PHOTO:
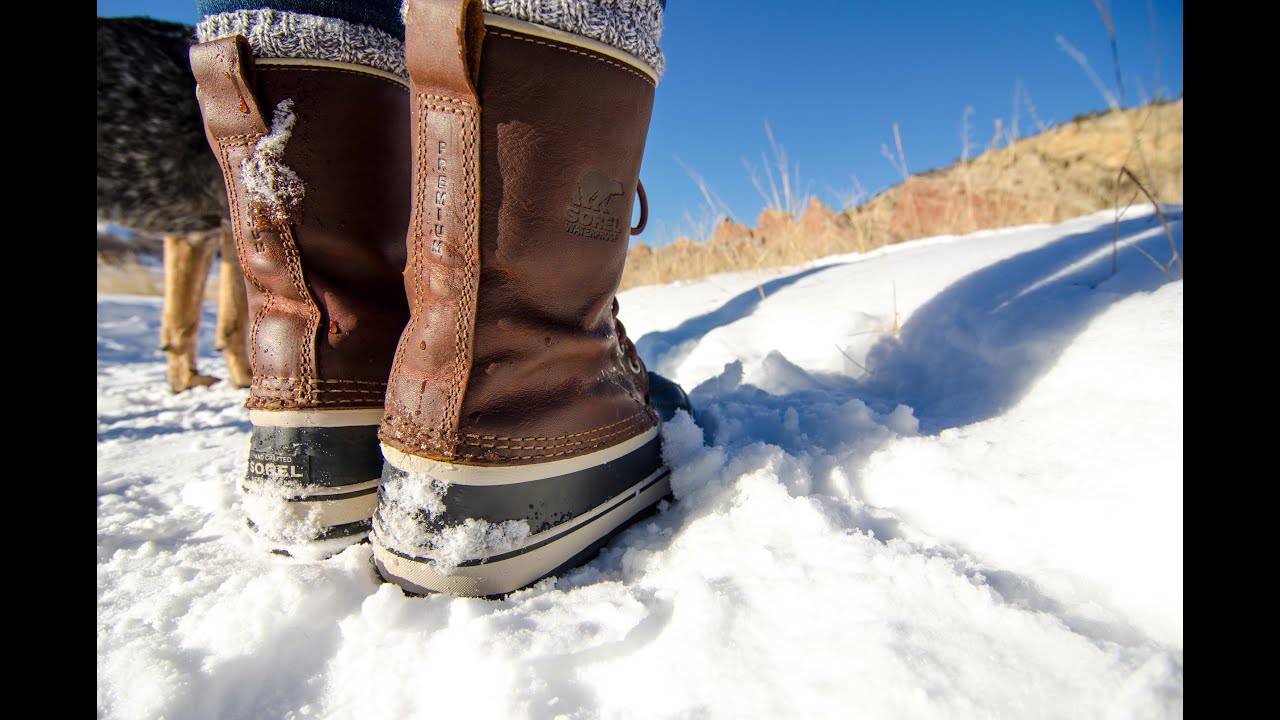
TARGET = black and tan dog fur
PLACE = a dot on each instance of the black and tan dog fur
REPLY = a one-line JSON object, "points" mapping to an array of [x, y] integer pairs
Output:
{"points": [[157, 177]]}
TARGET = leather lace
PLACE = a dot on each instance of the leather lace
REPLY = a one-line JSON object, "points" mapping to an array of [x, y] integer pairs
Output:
{"points": [[624, 343], [644, 209]]}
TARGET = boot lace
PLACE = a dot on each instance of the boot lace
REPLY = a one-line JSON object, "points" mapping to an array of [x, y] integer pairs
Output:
{"points": [[625, 346]]}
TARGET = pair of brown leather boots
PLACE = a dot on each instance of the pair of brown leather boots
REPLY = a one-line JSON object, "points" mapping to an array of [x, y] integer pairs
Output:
{"points": [[431, 269]]}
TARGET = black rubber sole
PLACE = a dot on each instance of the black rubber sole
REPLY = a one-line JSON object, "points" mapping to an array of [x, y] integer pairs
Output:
{"points": [[488, 531], [576, 561], [308, 488]]}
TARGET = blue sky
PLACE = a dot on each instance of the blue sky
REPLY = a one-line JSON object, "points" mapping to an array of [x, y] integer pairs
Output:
{"points": [[832, 78]]}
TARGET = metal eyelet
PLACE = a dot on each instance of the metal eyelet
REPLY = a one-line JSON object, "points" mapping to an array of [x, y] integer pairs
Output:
{"points": [[635, 364]]}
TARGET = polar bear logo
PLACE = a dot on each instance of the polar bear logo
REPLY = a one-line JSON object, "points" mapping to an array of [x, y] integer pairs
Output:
{"points": [[589, 215], [595, 190]]}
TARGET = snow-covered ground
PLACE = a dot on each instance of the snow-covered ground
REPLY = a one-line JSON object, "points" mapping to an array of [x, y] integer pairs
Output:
{"points": [[972, 510]]}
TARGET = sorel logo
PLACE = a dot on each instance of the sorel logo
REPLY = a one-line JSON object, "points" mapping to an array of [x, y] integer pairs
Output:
{"points": [[590, 215], [272, 466], [273, 470]]}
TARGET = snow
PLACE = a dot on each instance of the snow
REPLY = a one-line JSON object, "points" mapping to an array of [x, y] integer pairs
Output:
{"points": [[273, 187], [407, 505], [267, 506], [978, 515]]}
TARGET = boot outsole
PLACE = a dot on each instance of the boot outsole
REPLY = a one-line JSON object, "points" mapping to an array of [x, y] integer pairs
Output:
{"points": [[312, 479], [487, 531], [548, 553], [333, 541]]}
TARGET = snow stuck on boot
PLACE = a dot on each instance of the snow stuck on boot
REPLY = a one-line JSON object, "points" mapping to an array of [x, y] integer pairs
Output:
{"points": [[275, 518], [404, 518], [275, 190]]}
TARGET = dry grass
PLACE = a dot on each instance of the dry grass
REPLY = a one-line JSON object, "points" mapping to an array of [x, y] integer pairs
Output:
{"points": [[1061, 173], [123, 273], [777, 240]]}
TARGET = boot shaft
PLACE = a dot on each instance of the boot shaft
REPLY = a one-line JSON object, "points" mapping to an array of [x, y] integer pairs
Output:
{"points": [[316, 162], [527, 152]]}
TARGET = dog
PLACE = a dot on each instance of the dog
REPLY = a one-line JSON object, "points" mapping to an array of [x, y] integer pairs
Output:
{"points": [[157, 177]]}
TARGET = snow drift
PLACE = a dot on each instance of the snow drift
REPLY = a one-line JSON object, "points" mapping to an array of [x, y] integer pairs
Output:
{"points": [[943, 479]]}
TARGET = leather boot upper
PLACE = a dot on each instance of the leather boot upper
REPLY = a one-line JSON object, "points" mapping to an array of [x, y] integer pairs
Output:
{"points": [[324, 270], [526, 163]]}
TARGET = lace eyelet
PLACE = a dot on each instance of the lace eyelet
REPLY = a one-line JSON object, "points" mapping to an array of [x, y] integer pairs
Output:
{"points": [[635, 364]]}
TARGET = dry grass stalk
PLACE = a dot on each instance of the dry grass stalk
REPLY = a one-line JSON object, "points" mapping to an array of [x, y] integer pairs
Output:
{"points": [[1175, 258]]}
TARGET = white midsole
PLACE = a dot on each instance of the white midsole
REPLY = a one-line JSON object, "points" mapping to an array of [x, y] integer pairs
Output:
{"points": [[329, 513], [321, 549], [480, 475], [307, 492], [496, 577], [316, 418]]}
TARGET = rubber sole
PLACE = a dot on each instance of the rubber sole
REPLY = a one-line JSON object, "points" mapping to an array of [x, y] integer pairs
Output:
{"points": [[333, 542], [312, 479], [542, 555], [489, 531], [326, 509]]}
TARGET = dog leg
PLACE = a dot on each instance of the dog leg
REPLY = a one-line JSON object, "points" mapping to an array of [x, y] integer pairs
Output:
{"points": [[233, 310], [186, 267]]}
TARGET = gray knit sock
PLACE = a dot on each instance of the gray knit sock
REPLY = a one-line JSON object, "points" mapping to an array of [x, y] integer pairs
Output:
{"points": [[278, 34], [633, 26]]}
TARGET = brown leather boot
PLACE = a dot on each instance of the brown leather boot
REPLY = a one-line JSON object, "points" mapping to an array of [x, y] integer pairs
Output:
{"points": [[519, 434], [316, 161]]}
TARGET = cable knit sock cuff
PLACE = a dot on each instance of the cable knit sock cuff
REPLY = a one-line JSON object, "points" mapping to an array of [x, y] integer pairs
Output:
{"points": [[634, 26], [280, 34]]}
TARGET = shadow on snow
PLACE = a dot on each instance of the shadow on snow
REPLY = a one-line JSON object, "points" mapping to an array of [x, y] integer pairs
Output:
{"points": [[967, 355]]}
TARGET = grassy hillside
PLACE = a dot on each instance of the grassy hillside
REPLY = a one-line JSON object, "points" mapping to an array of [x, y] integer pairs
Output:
{"points": [[1066, 171]]}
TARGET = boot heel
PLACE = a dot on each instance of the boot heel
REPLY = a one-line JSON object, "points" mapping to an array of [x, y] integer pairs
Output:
{"points": [[312, 479]]}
